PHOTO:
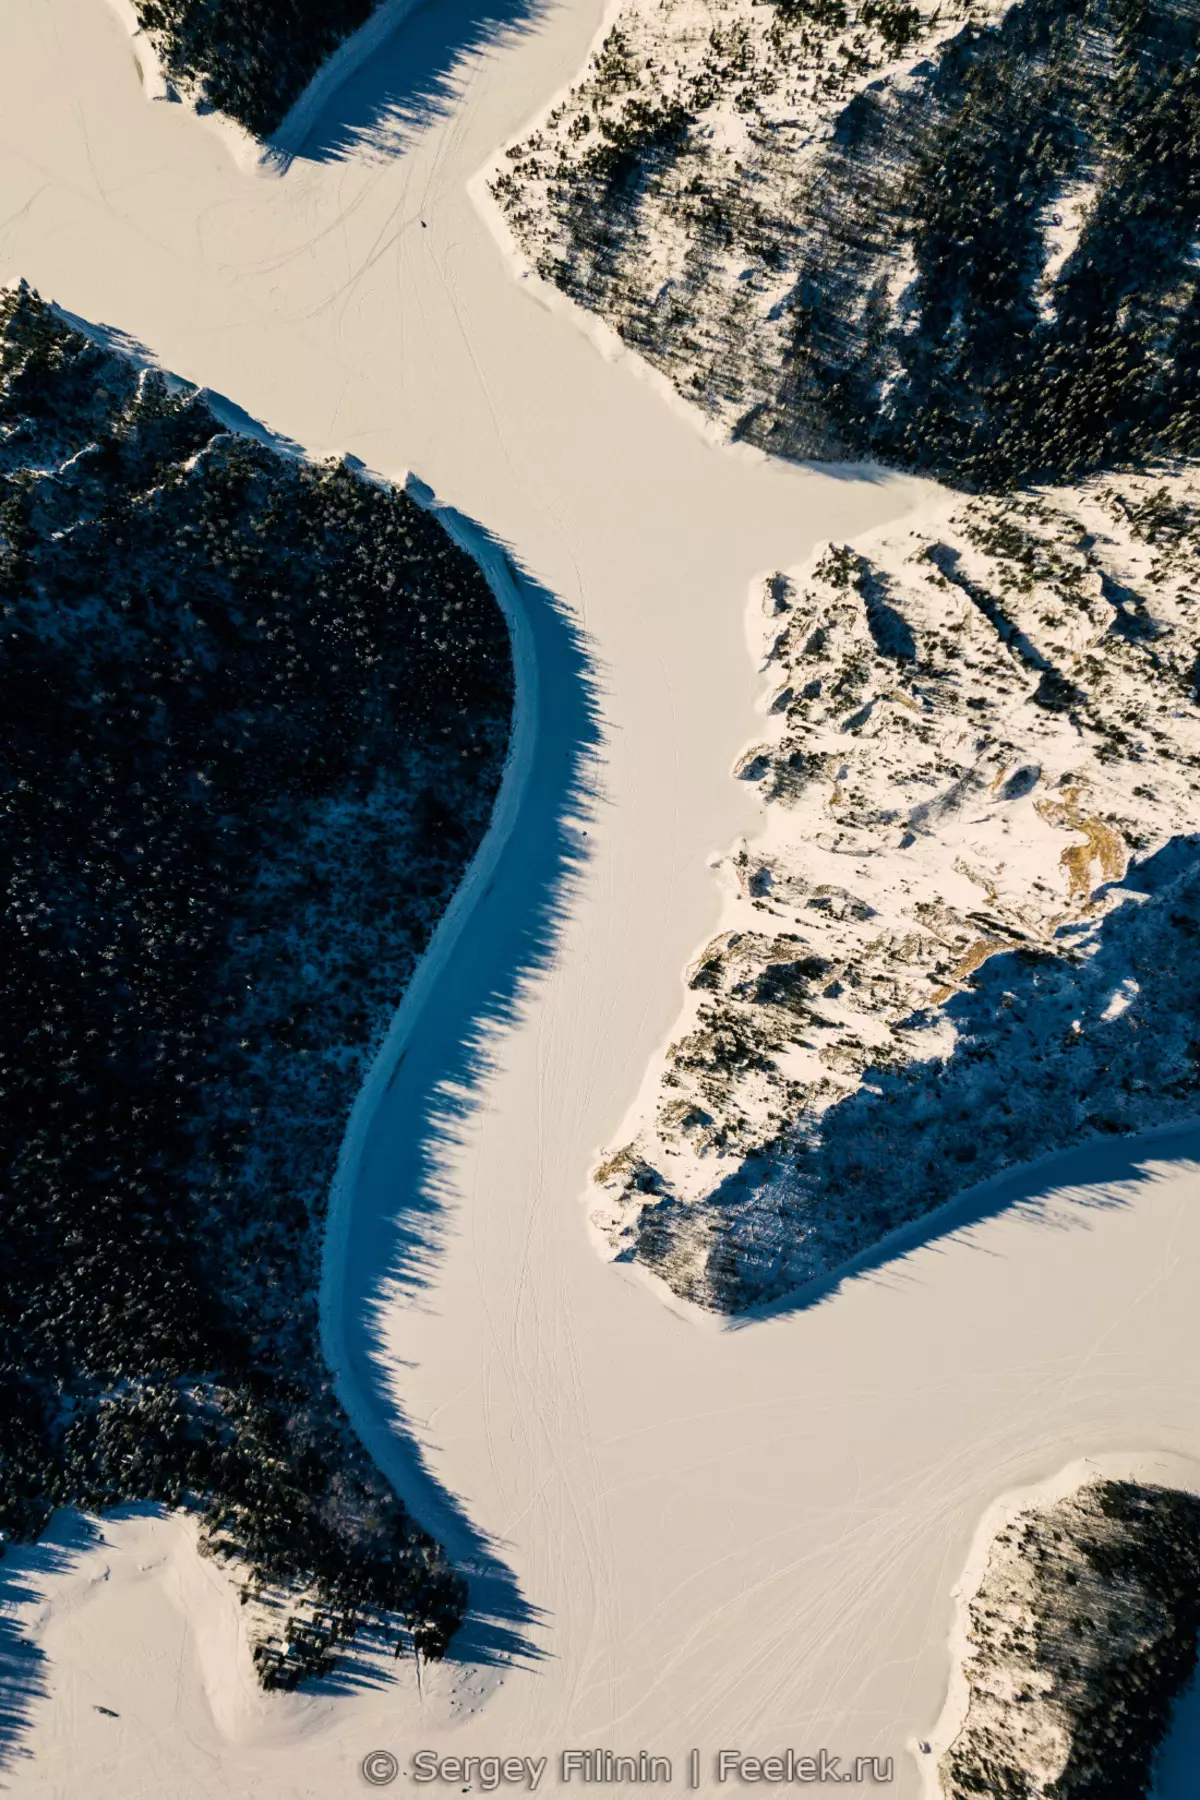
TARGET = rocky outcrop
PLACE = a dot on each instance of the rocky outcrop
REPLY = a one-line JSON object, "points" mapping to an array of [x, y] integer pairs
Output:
{"points": [[968, 931]]}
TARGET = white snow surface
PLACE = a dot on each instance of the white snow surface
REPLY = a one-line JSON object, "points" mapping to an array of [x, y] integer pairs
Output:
{"points": [[727, 1539]]}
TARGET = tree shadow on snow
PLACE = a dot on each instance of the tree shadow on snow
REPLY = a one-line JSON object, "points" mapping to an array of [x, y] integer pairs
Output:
{"points": [[413, 1107], [413, 78], [429, 1082], [24, 1572], [1059, 1061]]}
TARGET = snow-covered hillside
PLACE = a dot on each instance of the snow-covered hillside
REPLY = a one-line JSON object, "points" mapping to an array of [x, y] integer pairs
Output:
{"points": [[968, 931], [1080, 1635], [958, 238]]}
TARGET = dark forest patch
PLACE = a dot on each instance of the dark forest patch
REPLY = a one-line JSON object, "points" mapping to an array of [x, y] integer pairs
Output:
{"points": [[255, 716]]}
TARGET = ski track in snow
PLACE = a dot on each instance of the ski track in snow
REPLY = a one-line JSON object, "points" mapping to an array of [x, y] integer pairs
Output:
{"points": [[685, 1534]]}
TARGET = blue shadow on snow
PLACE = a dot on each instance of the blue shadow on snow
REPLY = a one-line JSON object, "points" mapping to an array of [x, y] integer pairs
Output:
{"points": [[399, 1195], [412, 78], [1060, 1053]]}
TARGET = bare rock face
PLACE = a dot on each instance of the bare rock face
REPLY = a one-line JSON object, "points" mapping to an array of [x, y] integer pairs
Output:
{"points": [[1081, 1634], [954, 237], [968, 931]]}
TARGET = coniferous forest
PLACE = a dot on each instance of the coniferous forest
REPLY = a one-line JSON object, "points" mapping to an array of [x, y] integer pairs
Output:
{"points": [[256, 713], [957, 239], [250, 59]]}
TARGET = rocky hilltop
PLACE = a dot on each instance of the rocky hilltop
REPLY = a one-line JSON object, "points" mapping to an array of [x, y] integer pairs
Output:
{"points": [[957, 237], [256, 712], [970, 930], [1080, 1636]]}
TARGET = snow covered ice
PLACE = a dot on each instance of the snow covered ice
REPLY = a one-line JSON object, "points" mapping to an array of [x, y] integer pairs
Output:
{"points": [[678, 1534]]}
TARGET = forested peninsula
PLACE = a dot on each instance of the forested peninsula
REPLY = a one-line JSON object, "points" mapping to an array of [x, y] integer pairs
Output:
{"points": [[256, 713], [1081, 1635]]}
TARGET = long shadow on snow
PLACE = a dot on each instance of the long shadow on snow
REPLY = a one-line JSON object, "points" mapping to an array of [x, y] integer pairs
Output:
{"points": [[430, 1079], [22, 1662], [1058, 1062], [365, 1663], [413, 77]]}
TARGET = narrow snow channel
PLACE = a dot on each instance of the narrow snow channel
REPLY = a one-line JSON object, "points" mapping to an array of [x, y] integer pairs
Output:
{"points": [[687, 1537]]}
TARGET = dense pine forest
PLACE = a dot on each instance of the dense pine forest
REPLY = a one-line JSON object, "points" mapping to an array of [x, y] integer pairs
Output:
{"points": [[1049, 204], [955, 238], [255, 717], [250, 59]]}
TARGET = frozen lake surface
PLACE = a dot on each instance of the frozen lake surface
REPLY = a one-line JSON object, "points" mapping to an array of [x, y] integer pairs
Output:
{"points": [[687, 1536]]}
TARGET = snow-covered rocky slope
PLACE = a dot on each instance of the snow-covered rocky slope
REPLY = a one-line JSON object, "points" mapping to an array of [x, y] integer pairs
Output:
{"points": [[957, 237], [1079, 1637], [969, 932], [256, 712]]}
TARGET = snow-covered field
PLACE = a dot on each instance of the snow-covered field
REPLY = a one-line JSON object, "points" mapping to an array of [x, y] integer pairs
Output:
{"points": [[688, 1536]]}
